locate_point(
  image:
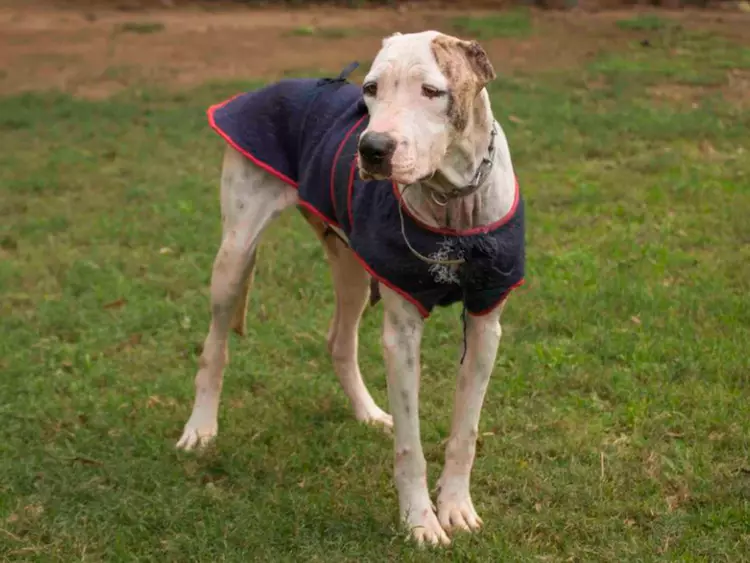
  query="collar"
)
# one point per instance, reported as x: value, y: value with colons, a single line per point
x: 482, y: 173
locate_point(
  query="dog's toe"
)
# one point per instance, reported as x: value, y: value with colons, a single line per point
x: 458, y: 514
x: 426, y: 530
x: 195, y: 437
x: 375, y: 416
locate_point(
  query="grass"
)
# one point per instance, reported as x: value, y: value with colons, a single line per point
x: 511, y: 23
x: 644, y: 22
x: 616, y: 425
x: 322, y: 32
x: 141, y: 28
x: 677, y: 55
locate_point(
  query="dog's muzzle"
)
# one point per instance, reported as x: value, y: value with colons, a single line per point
x: 375, y: 152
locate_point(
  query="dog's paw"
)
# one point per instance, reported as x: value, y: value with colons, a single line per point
x: 196, y: 435
x: 425, y: 528
x: 375, y: 416
x: 456, y: 512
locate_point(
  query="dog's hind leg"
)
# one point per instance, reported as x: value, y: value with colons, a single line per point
x: 250, y: 199
x: 352, y: 286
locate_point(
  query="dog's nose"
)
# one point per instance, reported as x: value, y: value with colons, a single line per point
x: 376, y: 147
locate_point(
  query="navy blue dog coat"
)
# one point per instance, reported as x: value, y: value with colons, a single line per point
x: 305, y: 132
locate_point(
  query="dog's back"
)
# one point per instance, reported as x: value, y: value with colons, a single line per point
x: 289, y: 126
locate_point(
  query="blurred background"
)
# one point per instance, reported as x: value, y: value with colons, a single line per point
x: 95, y: 48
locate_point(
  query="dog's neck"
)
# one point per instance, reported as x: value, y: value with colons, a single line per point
x: 492, y: 199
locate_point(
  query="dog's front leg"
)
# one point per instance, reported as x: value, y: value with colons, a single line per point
x: 455, y: 509
x: 402, y: 335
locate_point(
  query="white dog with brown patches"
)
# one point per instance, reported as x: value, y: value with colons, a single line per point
x: 430, y: 129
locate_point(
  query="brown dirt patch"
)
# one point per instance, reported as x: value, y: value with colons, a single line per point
x: 736, y: 91
x: 677, y: 93
x: 91, y: 52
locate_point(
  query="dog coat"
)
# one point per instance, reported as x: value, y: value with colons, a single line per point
x: 305, y: 132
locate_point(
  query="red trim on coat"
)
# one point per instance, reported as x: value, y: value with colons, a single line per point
x: 497, y: 303
x: 349, y: 191
x: 317, y: 213
x: 421, y: 308
x: 336, y: 159
x: 210, y: 112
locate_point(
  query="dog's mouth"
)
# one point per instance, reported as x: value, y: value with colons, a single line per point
x: 384, y: 171
x: 405, y: 179
x: 366, y: 175
x: 380, y: 170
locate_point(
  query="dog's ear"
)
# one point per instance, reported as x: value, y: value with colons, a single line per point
x: 479, y: 62
x: 468, y: 70
x: 464, y: 63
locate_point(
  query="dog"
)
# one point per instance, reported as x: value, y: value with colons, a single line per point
x: 408, y: 183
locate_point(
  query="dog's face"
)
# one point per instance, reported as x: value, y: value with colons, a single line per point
x: 420, y: 93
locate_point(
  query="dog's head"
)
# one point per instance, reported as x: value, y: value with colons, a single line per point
x: 420, y: 93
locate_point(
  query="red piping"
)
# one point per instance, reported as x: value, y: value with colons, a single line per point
x: 210, y: 112
x: 503, y: 297
x: 336, y: 159
x: 422, y: 311
x: 349, y: 193
x: 317, y: 213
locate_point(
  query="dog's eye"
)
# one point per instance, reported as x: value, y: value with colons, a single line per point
x: 370, y: 89
x: 431, y: 91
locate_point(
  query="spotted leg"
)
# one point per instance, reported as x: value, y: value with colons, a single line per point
x: 455, y: 508
x: 402, y: 335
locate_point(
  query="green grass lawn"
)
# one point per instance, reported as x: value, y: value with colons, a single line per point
x: 617, y: 426
x: 509, y: 23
